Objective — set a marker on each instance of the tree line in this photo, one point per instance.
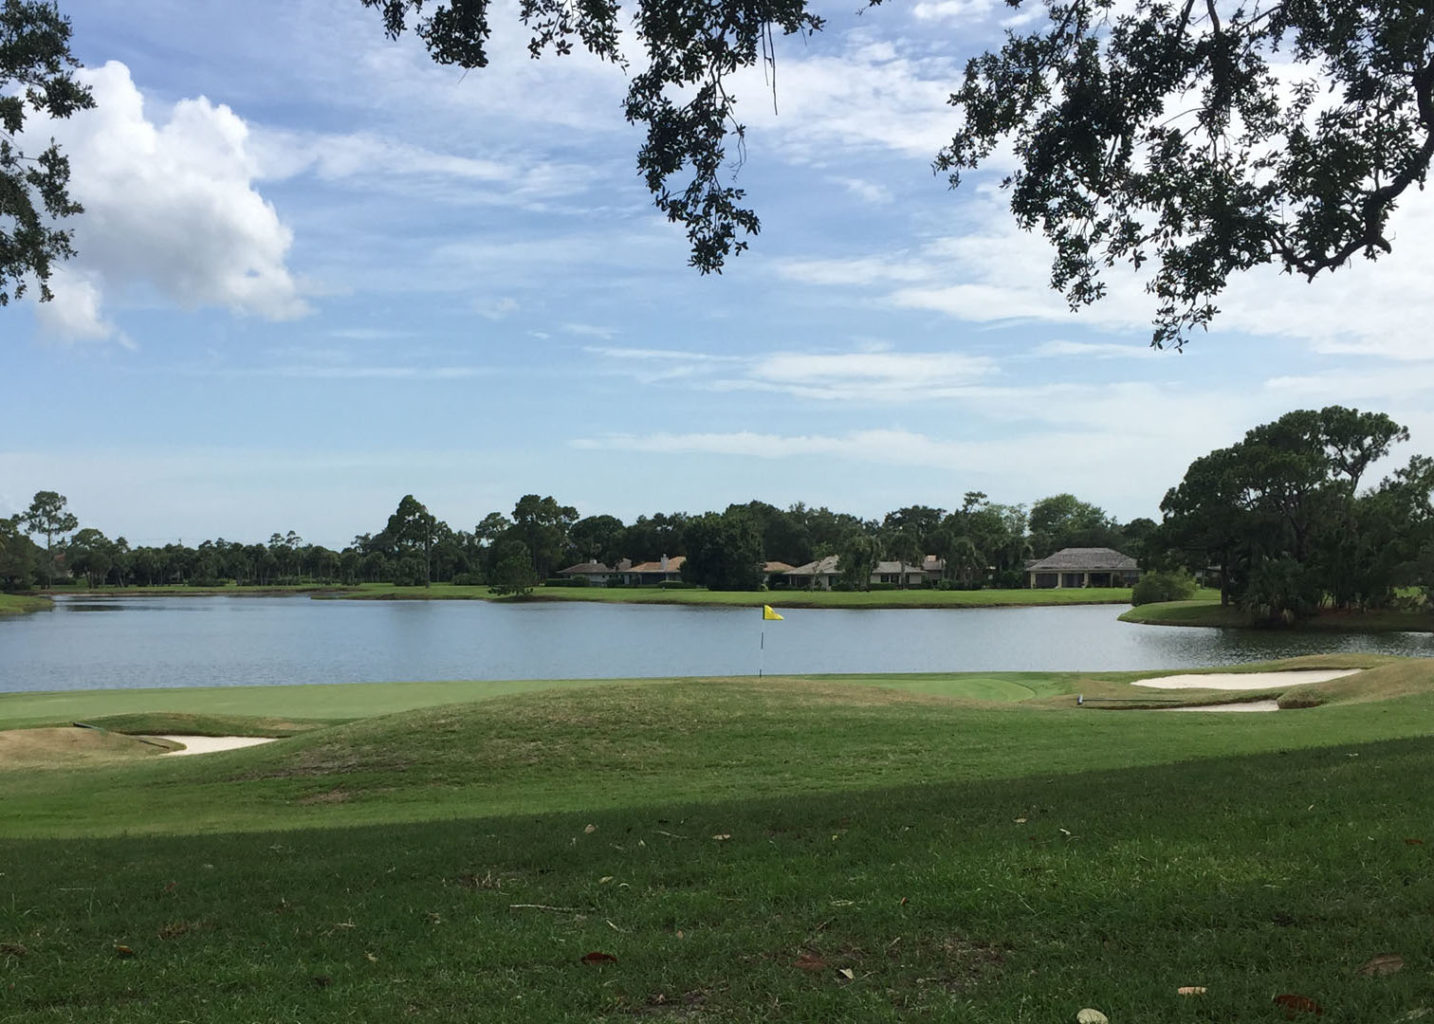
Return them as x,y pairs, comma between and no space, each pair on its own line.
1283,522
982,543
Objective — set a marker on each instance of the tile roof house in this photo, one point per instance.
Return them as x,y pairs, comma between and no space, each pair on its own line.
664,570
1082,567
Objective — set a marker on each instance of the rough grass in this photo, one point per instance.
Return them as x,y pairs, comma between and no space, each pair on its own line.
742,852
692,740
69,747
1207,611
20,604
150,723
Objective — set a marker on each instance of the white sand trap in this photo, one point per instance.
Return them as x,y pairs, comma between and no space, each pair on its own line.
210,744
1245,680
1249,705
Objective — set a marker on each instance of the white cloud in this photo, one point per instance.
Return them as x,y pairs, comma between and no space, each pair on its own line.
75,313
867,191
497,310
169,207
1093,350
959,11
873,374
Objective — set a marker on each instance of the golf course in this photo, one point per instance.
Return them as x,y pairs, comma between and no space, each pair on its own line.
973,847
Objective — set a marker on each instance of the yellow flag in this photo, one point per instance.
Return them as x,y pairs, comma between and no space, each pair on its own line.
769,615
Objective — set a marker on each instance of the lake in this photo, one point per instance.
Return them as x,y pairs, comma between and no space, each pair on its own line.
88,642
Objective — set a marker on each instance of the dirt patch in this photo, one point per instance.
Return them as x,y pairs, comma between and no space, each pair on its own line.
1249,705
337,795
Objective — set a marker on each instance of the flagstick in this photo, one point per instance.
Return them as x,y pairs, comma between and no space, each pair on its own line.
762,652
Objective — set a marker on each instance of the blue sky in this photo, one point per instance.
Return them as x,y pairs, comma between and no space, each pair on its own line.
319,272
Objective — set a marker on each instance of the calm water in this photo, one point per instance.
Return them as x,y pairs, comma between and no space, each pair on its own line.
224,641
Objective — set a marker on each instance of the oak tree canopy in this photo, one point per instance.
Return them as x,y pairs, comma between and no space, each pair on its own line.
1206,137
35,75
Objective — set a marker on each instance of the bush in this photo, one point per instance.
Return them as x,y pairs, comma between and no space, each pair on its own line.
1155,587
567,581
468,579
678,585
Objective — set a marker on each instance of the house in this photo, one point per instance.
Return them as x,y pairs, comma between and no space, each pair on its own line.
933,570
596,573
665,570
776,573
899,574
818,575
824,573
1082,567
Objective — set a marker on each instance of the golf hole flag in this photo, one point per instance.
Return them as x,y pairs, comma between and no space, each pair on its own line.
769,615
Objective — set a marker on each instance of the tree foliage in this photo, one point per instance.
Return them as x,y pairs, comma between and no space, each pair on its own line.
36,74
724,552
1158,132
1281,516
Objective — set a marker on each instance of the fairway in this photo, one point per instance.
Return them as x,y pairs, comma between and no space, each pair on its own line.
973,848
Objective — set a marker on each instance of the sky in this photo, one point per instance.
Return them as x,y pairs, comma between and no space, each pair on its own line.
318,272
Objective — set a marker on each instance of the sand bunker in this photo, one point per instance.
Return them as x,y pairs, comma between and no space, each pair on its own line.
1249,705
1244,680
210,744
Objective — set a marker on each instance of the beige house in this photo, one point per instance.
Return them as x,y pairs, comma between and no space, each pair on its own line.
824,573
1082,567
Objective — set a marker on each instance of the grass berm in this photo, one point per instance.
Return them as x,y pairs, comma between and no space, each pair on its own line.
790,849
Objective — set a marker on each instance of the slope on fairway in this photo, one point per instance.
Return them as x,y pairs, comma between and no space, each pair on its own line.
984,900
628,745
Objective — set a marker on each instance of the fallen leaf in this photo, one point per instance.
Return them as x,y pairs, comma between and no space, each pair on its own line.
371,958
605,879
1293,1004
1021,821
809,962
846,973
13,949
171,887
1065,832
1385,963
589,830
904,901
1413,842
123,951
599,958
1190,990
1090,1016
722,836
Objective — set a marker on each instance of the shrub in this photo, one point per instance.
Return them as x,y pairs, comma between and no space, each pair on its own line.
567,581
1163,586
468,579
678,585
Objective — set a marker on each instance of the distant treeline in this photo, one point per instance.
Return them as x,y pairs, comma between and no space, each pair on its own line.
1282,522
981,543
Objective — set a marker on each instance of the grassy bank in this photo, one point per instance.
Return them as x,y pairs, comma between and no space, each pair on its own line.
19,604
1209,612
740,851
749,599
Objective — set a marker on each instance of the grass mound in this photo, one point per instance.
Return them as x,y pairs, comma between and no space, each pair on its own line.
69,747
189,724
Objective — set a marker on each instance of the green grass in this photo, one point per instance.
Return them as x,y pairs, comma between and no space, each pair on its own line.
1207,611
19,604
748,851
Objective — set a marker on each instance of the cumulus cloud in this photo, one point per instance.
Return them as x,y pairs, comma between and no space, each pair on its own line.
169,206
